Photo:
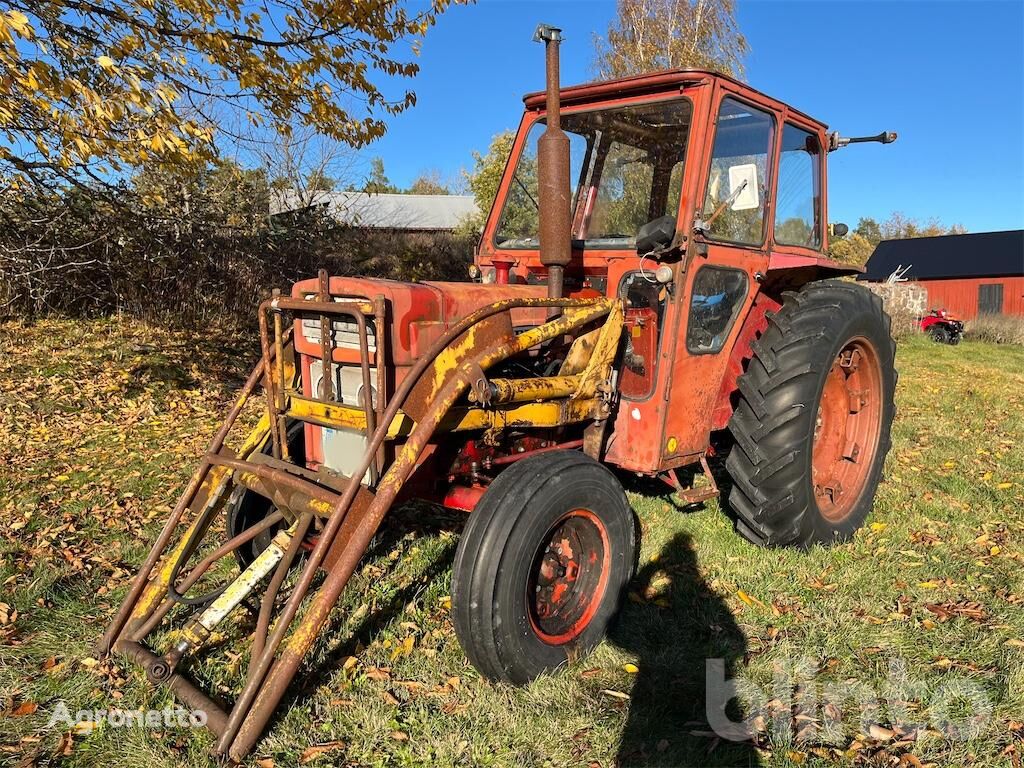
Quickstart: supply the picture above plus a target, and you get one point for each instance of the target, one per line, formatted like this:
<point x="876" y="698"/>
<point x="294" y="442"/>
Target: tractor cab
<point x="689" y="192"/>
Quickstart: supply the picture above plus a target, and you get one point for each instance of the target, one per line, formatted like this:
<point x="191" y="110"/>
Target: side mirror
<point x="656" y="235"/>
<point x="838" y="230"/>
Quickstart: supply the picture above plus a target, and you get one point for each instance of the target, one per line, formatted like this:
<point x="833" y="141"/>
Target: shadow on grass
<point x="671" y="703"/>
<point x="421" y="517"/>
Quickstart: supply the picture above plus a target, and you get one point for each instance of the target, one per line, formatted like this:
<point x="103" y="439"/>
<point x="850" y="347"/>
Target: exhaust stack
<point x="553" y="173"/>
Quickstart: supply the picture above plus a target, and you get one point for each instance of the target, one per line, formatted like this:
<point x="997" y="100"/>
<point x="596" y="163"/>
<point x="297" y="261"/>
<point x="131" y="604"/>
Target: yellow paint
<point x="338" y="416"/>
<point x="551" y="413"/>
<point x="256" y="438"/>
<point x="541" y="388"/>
<point x="599" y="365"/>
<point x="672" y="445"/>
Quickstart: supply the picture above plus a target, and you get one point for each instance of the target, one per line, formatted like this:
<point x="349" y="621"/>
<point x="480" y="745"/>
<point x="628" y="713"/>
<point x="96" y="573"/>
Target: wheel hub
<point x="846" y="429"/>
<point x="569" y="577"/>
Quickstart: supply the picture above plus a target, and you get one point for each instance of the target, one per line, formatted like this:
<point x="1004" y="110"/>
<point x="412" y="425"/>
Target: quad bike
<point x="674" y="287"/>
<point x="942" y="327"/>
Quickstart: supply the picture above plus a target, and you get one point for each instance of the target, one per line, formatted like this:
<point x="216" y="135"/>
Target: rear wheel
<point x="542" y="565"/>
<point x="939" y="334"/>
<point x="813" y="418"/>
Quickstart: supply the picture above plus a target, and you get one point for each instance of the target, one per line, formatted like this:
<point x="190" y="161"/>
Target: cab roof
<point x="649" y="83"/>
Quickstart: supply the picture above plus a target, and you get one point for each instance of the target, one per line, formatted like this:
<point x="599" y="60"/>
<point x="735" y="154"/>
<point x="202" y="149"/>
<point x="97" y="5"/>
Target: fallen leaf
<point x="312" y="753"/>
<point x="25" y="708"/>
<point x="878" y="733"/>
<point x="631" y="668"/>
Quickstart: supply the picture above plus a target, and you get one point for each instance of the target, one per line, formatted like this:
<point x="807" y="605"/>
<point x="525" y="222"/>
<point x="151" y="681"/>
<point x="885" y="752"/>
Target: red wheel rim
<point x="568" y="577"/>
<point x="847" y="429"/>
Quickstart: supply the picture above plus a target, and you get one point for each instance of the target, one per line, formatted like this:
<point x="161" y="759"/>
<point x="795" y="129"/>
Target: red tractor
<point x="942" y="327"/>
<point x="652" y="274"/>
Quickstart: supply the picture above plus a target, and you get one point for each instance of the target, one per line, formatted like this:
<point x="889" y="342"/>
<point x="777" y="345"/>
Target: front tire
<point x="813" y="419"/>
<point x="939" y="334"/>
<point x="542" y="565"/>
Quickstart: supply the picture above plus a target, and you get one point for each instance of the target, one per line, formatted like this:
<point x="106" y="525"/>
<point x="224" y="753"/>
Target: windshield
<point x="625" y="168"/>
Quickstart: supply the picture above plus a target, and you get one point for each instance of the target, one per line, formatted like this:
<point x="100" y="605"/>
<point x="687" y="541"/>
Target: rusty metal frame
<point x="346" y="517"/>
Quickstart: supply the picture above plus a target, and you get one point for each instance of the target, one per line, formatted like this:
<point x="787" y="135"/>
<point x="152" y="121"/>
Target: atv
<point x="942" y="327"/>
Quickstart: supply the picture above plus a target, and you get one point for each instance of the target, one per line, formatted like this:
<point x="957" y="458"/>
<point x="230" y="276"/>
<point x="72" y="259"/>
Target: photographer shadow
<point x="674" y="623"/>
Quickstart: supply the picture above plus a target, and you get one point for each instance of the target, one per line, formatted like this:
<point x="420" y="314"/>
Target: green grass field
<point x="99" y="426"/>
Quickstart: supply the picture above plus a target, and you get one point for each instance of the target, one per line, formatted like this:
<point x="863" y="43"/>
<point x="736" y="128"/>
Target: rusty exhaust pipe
<point x="553" y="173"/>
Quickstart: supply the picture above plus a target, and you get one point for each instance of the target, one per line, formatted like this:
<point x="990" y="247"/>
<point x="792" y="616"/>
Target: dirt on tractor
<point x="652" y="275"/>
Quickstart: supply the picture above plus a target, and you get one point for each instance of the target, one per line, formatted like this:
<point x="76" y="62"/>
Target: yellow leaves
<point x="18" y="21"/>
<point x="106" y="63"/>
<point x="405" y="648"/>
<point x="878" y="527"/>
<point x="631" y="668"/>
<point x="750" y="599"/>
<point x="1004" y="486"/>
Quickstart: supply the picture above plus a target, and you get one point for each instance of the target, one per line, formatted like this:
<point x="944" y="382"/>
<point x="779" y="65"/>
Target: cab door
<point x="725" y="259"/>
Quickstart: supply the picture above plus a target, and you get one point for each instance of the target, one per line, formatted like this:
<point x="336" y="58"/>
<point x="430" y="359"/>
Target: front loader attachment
<point x="185" y="602"/>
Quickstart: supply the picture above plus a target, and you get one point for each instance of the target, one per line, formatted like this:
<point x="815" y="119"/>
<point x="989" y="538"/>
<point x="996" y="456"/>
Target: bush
<point x="205" y="252"/>
<point x="998" y="329"/>
<point x="904" y="323"/>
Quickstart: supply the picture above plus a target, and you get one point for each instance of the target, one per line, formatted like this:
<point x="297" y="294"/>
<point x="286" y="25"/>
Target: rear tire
<point x="542" y="565"/>
<point x="939" y="334"/>
<point x="813" y="418"/>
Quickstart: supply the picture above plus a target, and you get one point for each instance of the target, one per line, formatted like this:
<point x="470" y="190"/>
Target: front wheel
<point x="813" y="418"/>
<point x="939" y="334"/>
<point x="542" y="565"/>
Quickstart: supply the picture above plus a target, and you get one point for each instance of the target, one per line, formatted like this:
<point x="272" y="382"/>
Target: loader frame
<point x="332" y="519"/>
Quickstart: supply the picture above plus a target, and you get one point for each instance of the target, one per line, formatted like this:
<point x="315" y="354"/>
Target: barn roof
<point x="383" y="211"/>
<point x="980" y="254"/>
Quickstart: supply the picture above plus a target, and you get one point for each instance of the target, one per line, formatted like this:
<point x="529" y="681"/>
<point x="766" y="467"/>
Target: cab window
<point x="717" y="295"/>
<point x="736" y="197"/>
<point x="798" y="202"/>
<point x="626" y="168"/>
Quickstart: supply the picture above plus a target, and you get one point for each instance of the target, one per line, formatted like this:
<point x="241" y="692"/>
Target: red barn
<point x="968" y="275"/>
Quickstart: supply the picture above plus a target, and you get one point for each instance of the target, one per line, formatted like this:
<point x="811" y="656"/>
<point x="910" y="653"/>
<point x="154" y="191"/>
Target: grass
<point x="99" y="422"/>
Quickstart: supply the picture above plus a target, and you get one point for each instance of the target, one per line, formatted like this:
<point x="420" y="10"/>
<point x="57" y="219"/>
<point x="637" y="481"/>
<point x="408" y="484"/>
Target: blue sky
<point x="947" y="76"/>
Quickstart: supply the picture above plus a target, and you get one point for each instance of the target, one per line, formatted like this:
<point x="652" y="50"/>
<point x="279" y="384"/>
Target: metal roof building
<point x="411" y="213"/>
<point x="969" y="275"/>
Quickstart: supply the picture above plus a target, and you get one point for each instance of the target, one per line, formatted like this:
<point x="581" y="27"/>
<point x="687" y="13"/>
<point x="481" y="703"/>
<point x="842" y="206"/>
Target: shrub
<point x="998" y="329"/>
